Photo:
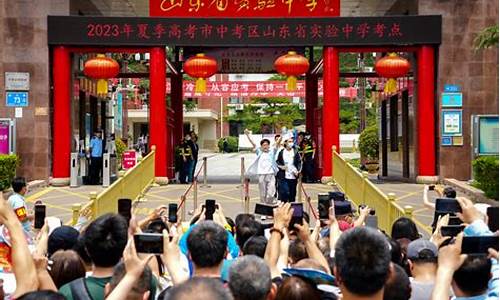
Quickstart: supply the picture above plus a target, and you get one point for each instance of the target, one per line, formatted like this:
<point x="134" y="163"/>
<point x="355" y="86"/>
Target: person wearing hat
<point x="422" y="257"/>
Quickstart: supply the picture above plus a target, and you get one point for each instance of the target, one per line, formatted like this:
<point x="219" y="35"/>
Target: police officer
<point x="185" y="174"/>
<point x="308" y="149"/>
<point x="96" y="145"/>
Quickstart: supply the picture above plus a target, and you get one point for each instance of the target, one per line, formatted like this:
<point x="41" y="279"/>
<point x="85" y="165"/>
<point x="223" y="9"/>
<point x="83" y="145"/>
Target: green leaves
<point x="487" y="38"/>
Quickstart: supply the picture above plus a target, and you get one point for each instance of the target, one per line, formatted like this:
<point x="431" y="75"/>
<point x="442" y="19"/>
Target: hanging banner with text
<point x="255" y="89"/>
<point x="244" y="8"/>
<point x="268" y="32"/>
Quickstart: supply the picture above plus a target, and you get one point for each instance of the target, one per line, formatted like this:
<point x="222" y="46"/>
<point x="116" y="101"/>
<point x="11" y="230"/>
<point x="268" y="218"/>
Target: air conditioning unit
<point x="302" y="106"/>
<point x="239" y="106"/>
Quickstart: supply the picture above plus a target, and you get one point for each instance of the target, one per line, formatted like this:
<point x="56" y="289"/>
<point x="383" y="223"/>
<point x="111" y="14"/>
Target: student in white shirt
<point x="289" y="165"/>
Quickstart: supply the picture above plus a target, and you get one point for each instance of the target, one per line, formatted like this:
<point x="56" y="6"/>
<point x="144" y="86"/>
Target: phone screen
<point x="264" y="209"/>
<point x="149" y="243"/>
<point x="172" y="212"/>
<point x="324" y="203"/>
<point x="479" y="244"/>
<point x="451" y="230"/>
<point x="40" y="210"/>
<point x="298" y="214"/>
<point x="448" y="205"/>
<point x="209" y="209"/>
<point x="124" y="208"/>
<point x="492" y="213"/>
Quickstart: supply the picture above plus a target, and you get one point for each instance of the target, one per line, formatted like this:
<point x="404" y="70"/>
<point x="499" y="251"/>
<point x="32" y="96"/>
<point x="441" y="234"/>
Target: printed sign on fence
<point x="129" y="159"/>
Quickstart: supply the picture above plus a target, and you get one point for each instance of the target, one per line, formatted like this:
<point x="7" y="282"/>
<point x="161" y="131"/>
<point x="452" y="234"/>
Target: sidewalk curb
<point x="476" y="195"/>
<point x="31" y="185"/>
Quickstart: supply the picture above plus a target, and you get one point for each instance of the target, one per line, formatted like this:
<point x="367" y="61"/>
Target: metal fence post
<point x="183" y="208"/>
<point x="247" y="196"/>
<point x="95" y="206"/>
<point x="75" y="208"/>
<point x="74" y="167"/>
<point x="299" y="184"/>
<point x="308" y="206"/>
<point x="195" y="193"/>
<point x="408" y="211"/>
<point x="242" y="171"/>
<point x="205" y="172"/>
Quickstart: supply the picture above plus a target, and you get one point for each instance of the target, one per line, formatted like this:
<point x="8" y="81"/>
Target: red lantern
<point x="391" y="67"/>
<point x="291" y="65"/>
<point x="101" y="68"/>
<point x="200" y="67"/>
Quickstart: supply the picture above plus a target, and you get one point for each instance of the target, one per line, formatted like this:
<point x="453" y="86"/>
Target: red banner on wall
<point x="244" y="8"/>
<point x="254" y="89"/>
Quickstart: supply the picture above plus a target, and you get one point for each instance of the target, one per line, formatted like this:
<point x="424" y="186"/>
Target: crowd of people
<point x="278" y="166"/>
<point x="215" y="257"/>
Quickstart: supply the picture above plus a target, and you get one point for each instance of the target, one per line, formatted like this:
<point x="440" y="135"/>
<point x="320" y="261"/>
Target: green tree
<point x="267" y="115"/>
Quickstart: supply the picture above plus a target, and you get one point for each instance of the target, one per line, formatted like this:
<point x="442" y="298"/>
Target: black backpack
<point x="79" y="290"/>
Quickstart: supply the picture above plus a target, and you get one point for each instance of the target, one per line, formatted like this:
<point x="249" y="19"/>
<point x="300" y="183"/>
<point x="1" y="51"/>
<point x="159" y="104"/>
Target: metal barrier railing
<point x="360" y="190"/>
<point x="194" y="187"/>
<point x="302" y="190"/>
<point x="132" y="185"/>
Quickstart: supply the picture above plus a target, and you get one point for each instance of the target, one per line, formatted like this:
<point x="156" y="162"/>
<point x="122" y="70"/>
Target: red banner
<point x="244" y="8"/>
<point x="255" y="89"/>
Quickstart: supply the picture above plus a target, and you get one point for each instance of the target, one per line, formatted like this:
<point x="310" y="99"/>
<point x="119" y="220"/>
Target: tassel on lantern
<point x="391" y="86"/>
<point x="201" y="85"/>
<point x="291" y="83"/>
<point x="102" y="86"/>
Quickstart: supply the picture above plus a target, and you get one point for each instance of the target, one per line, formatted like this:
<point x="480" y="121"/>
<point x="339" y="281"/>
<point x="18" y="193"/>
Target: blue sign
<point x="446" y="141"/>
<point x="488" y="135"/>
<point x="452" y="88"/>
<point x="451" y="99"/>
<point x="16" y="98"/>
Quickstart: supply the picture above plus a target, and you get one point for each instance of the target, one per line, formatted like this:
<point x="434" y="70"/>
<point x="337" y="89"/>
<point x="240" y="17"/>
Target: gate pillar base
<point x="161" y="180"/>
<point x="428" y="179"/>
<point x="60" y="181"/>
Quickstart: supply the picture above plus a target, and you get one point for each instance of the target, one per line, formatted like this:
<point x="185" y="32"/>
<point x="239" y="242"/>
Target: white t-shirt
<point x="288" y="156"/>
<point x="265" y="165"/>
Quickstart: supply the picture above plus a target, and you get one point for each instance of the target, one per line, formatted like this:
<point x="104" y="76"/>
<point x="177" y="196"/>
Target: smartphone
<point x="431" y="187"/>
<point x="298" y="214"/>
<point x="479" y="244"/>
<point x="40" y="210"/>
<point x="324" y="204"/>
<point x="264" y="209"/>
<point x="149" y="243"/>
<point x="124" y="208"/>
<point x="361" y="206"/>
<point x="492" y="213"/>
<point x="448" y="205"/>
<point x="452" y="230"/>
<point x="209" y="209"/>
<point x="172" y="212"/>
<point x="454" y="220"/>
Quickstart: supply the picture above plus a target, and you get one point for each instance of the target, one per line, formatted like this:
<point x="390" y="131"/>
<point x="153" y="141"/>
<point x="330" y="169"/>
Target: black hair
<point x="18" y="183"/>
<point x="142" y="285"/>
<point x="79" y="247"/>
<point x="473" y="275"/>
<point x="250" y="278"/>
<point x="105" y="238"/>
<point x="231" y="223"/>
<point x="42" y="295"/>
<point x="362" y="259"/>
<point x="256" y="245"/>
<point x="207" y="244"/>
<point x="240" y="218"/>
<point x="265" y="141"/>
<point x="449" y="192"/>
<point x="398" y="286"/>
<point x="210" y="288"/>
<point x="246" y="230"/>
<point x="404" y="228"/>
<point x="157" y="226"/>
<point x="297" y="251"/>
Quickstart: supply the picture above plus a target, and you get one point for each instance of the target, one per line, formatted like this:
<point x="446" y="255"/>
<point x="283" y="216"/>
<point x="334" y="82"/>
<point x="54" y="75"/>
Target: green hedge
<point x="232" y="144"/>
<point x="8" y="165"/>
<point x="368" y="143"/>
<point x="486" y="175"/>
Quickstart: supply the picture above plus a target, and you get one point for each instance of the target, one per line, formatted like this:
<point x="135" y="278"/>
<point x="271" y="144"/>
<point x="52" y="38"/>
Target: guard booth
<point x="183" y="27"/>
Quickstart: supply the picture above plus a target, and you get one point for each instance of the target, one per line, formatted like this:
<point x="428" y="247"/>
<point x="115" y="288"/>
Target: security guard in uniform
<point x="185" y="174"/>
<point x="308" y="149"/>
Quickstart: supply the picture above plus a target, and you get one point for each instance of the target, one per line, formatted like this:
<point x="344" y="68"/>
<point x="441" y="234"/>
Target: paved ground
<point x="223" y="185"/>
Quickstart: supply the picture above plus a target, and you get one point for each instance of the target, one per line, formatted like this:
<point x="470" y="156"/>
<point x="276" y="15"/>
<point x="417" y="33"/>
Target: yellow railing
<point x="131" y="185"/>
<point x="360" y="190"/>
